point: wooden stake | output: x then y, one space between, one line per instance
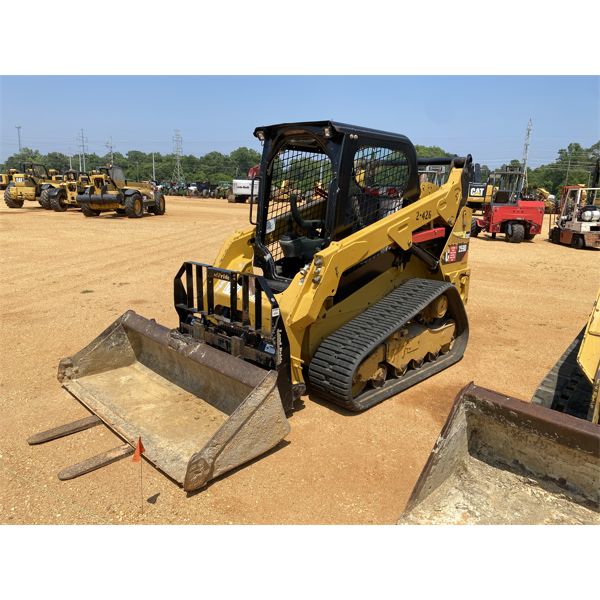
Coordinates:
141 486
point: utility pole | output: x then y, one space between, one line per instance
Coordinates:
526 151
568 168
18 128
79 154
82 141
109 145
153 169
178 176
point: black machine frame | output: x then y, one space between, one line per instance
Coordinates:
233 332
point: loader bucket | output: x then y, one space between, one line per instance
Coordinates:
199 411
499 460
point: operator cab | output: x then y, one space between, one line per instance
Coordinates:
36 171
507 185
113 173
320 182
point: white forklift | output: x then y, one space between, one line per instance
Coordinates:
578 224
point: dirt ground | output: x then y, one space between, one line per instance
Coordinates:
64 278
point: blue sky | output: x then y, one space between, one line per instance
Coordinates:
486 116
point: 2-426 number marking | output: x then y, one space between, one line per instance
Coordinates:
424 215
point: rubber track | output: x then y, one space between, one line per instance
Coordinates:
334 363
565 388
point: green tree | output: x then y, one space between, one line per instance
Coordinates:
431 151
26 155
242 159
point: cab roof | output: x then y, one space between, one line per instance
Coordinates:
341 128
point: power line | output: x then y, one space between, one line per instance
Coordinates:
18 128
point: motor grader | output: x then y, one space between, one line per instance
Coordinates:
501 460
109 190
352 295
31 185
64 194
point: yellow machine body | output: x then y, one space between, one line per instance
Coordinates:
306 304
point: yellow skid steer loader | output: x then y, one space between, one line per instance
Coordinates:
352 295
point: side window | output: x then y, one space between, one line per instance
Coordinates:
117 175
306 176
379 179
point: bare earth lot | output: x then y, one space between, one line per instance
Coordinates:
64 278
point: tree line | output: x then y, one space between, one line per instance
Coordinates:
572 165
137 165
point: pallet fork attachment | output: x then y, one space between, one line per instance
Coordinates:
199 411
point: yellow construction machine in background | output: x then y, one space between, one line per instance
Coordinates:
31 185
109 190
64 194
6 178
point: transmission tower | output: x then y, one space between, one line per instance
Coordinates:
81 142
526 151
109 146
178 176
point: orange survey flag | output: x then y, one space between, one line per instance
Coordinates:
139 450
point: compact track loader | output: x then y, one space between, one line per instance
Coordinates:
108 190
353 294
501 460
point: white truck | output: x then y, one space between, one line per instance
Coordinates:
241 189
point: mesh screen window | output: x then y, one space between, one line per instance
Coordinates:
379 180
307 176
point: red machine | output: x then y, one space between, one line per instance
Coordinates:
519 221
508 212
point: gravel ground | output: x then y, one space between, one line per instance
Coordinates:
65 278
